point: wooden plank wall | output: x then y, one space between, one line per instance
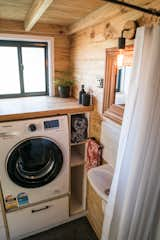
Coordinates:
95 212
59 33
88 55
87 51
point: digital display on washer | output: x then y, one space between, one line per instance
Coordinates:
51 124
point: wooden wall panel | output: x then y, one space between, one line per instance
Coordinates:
87 51
88 56
59 33
95 213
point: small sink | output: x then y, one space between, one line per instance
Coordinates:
100 179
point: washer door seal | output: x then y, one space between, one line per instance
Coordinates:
34 162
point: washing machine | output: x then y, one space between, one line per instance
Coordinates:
34 173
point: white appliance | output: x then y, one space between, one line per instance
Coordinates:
34 159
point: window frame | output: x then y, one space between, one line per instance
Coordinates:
24 43
110 109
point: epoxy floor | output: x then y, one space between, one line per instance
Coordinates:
76 230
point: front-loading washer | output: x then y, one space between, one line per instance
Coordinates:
34 159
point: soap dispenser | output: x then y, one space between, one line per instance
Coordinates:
81 93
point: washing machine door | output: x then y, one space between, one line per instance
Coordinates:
34 162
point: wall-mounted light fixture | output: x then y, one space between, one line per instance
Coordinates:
129 31
122 40
121 46
120 59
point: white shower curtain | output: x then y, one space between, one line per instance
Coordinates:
133 209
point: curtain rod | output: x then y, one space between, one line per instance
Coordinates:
146 10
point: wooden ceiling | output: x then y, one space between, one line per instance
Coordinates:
72 13
14 9
62 12
66 12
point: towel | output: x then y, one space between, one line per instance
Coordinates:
79 125
94 153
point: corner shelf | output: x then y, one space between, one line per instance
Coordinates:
77 169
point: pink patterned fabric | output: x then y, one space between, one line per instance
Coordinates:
94 154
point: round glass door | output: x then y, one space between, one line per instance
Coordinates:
34 162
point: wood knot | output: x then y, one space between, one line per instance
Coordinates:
92 34
108 31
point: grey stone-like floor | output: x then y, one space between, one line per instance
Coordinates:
76 230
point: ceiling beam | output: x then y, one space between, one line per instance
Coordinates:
44 29
35 12
99 15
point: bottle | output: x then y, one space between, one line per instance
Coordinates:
86 99
81 93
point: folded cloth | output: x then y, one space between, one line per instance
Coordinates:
79 125
94 154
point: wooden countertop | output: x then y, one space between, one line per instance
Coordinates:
34 107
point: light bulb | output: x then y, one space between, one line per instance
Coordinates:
120 58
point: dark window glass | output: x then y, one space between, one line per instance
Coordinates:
34 162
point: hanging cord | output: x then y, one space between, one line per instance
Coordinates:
138 8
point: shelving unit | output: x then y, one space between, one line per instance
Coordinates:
78 173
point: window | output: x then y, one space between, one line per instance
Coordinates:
23 68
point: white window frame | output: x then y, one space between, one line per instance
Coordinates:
34 38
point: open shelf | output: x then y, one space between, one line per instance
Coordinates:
79 133
78 143
77 155
77 182
75 206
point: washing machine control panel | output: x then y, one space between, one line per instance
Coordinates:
51 124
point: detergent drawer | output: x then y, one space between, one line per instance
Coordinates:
37 218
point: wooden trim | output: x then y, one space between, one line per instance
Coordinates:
36 11
40 29
115 113
111 110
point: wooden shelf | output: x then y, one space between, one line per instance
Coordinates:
79 143
75 206
77 167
